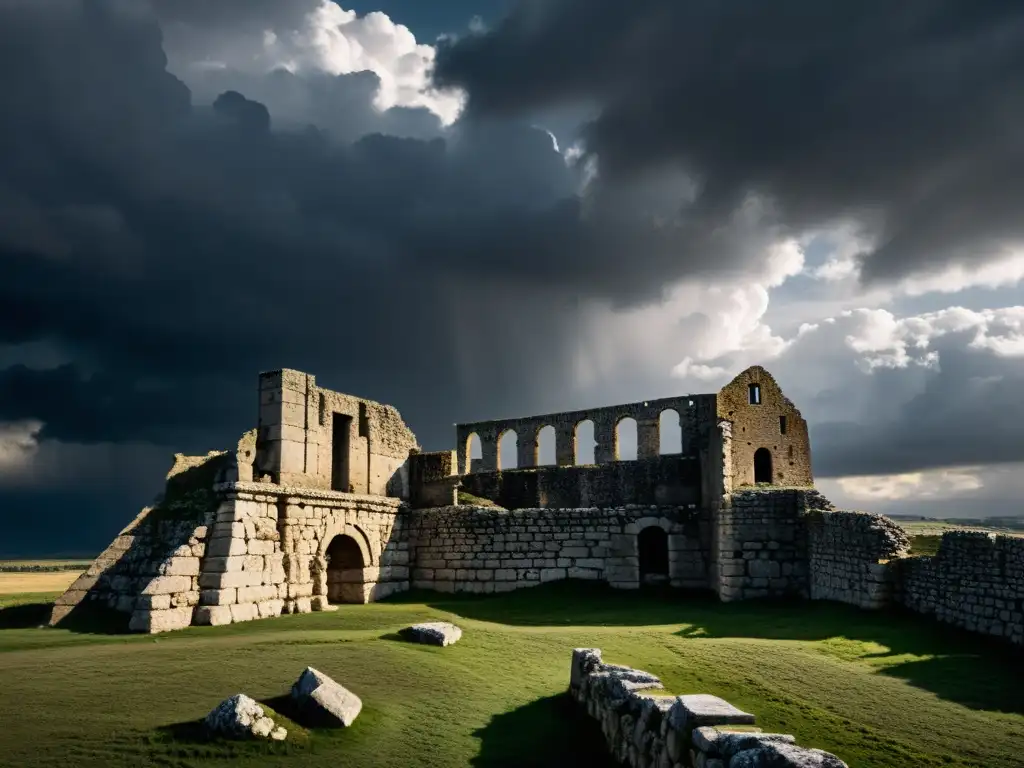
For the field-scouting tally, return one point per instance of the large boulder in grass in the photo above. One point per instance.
(432, 633)
(241, 717)
(324, 701)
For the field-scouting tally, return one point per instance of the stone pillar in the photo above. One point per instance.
(604, 436)
(284, 425)
(488, 451)
(648, 437)
(527, 447)
(565, 445)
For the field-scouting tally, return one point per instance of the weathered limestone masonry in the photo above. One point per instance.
(976, 581)
(322, 525)
(151, 569)
(761, 542)
(269, 552)
(480, 549)
(644, 729)
(850, 554)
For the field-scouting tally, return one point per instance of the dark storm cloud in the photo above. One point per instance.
(905, 115)
(964, 414)
(180, 248)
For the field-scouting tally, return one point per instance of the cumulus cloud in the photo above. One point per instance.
(307, 60)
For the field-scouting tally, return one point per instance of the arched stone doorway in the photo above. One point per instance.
(762, 465)
(652, 546)
(345, 574)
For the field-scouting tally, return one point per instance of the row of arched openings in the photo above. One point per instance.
(670, 436)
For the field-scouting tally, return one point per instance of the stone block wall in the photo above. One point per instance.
(433, 479)
(849, 555)
(975, 581)
(150, 571)
(479, 549)
(761, 542)
(645, 729)
(662, 481)
(267, 551)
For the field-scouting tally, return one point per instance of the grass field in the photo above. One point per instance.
(876, 689)
(36, 581)
(937, 528)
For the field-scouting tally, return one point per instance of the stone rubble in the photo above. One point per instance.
(240, 717)
(645, 730)
(325, 700)
(441, 633)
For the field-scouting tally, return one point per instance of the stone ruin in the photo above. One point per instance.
(644, 728)
(331, 500)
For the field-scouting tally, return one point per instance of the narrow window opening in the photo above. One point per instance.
(341, 426)
(782, 425)
(755, 394)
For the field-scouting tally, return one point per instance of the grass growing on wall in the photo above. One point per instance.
(881, 691)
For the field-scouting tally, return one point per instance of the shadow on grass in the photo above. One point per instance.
(967, 668)
(973, 670)
(25, 616)
(548, 733)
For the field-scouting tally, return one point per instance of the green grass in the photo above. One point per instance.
(876, 689)
(925, 544)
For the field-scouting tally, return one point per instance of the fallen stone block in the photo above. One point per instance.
(324, 700)
(432, 633)
(241, 717)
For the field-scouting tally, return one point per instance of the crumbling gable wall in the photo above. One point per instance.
(311, 437)
(771, 423)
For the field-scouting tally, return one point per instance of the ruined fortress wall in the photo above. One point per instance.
(479, 549)
(761, 542)
(432, 479)
(849, 554)
(696, 417)
(267, 551)
(976, 581)
(661, 481)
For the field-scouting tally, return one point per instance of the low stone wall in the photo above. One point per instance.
(849, 554)
(761, 542)
(975, 581)
(648, 730)
(479, 549)
(662, 481)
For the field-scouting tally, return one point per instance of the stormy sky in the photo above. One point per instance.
(482, 209)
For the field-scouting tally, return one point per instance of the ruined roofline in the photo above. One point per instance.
(318, 385)
(675, 403)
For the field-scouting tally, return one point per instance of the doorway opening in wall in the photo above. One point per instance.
(344, 571)
(341, 428)
(652, 546)
(762, 465)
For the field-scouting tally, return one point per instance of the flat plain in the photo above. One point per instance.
(880, 690)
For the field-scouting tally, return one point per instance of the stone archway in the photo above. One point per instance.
(652, 547)
(346, 570)
(762, 465)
